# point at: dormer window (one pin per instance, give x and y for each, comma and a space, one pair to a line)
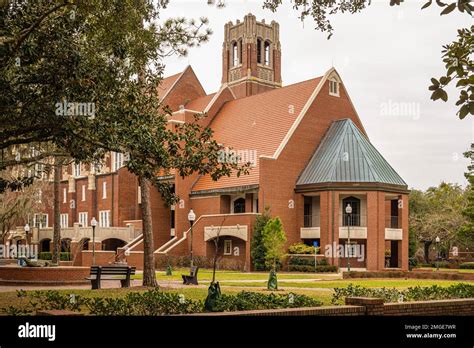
334, 88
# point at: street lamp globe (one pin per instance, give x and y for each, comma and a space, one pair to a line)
93, 222
437, 240
27, 228
348, 209
191, 216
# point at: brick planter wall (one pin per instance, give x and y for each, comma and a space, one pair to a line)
357, 306
12, 275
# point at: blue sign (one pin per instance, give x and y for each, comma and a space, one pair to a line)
315, 244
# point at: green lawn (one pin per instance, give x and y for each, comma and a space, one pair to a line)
369, 283
206, 275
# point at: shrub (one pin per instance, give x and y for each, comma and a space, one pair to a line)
300, 248
412, 262
253, 300
47, 255
467, 265
417, 293
307, 268
257, 249
152, 303
441, 264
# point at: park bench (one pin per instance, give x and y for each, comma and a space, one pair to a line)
192, 277
121, 273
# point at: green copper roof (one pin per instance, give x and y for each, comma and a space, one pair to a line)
345, 155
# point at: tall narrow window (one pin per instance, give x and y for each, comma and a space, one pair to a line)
308, 211
240, 51
76, 169
64, 220
235, 56
334, 88
228, 247
83, 219
267, 53
259, 51
117, 161
83, 193
64, 195
40, 220
104, 218
104, 190
353, 219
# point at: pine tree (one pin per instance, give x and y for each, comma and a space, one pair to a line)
257, 249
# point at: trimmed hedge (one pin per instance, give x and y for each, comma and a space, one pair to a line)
47, 255
467, 265
300, 248
417, 293
306, 268
153, 302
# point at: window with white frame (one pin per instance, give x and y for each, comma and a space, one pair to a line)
117, 161
334, 88
104, 190
83, 219
40, 220
227, 247
76, 169
83, 197
64, 195
64, 220
104, 218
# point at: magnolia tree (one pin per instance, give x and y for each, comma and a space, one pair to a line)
82, 77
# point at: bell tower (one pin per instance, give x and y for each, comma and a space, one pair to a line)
251, 56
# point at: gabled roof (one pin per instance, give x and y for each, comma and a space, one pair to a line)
345, 155
200, 104
166, 85
257, 123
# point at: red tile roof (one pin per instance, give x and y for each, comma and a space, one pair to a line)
166, 84
200, 104
257, 123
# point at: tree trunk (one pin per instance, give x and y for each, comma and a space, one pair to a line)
149, 276
56, 212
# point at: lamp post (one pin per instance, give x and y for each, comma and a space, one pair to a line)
191, 218
437, 240
348, 212
93, 224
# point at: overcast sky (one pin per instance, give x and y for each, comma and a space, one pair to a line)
385, 56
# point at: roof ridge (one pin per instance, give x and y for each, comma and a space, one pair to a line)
357, 133
339, 148
275, 89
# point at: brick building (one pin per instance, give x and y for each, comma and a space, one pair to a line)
310, 155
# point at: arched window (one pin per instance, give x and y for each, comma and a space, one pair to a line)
239, 206
267, 53
259, 51
235, 55
352, 219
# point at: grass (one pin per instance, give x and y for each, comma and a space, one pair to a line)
369, 283
206, 275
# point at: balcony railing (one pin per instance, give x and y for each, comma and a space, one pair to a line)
392, 222
353, 220
311, 221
